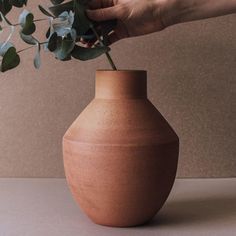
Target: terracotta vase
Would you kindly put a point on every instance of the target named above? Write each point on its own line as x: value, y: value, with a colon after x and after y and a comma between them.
x: 120, y: 154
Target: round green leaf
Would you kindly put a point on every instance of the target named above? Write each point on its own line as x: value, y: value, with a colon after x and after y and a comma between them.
x: 26, y: 21
x: 10, y: 60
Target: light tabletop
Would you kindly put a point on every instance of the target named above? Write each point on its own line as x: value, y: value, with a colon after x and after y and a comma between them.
x: 44, y: 207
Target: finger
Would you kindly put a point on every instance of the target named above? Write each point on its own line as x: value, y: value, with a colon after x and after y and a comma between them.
x: 95, y: 4
x: 103, y: 14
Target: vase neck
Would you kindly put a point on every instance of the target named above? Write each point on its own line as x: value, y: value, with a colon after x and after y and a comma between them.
x: 121, y: 84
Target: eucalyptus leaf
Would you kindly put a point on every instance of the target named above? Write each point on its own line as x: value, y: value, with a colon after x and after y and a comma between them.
x: 54, y: 40
x: 65, y: 46
x: 26, y: 21
x: 58, y: 9
x: 48, y: 33
x: 5, y: 8
x: 68, y: 58
x: 88, y: 36
x: 50, y: 29
x: 37, y: 58
x: 8, y: 23
x: 45, y: 12
x: 63, y: 24
x: 18, y: 3
x: 29, y: 39
x: 81, y: 22
x: 4, y: 19
x: 4, y: 47
x: 56, y: 2
x: 10, y: 60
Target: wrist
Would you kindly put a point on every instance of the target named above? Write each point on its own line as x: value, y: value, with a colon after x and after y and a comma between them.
x: 175, y: 11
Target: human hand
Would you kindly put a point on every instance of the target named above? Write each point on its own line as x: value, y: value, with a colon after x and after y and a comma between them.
x: 134, y: 17
x: 139, y: 17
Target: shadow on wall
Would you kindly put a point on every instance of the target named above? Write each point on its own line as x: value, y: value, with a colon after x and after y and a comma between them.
x: 199, y: 211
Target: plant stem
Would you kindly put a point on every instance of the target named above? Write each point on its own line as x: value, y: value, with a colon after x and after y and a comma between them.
x: 110, y: 61
x: 102, y: 44
x: 37, y: 20
x: 24, y: 49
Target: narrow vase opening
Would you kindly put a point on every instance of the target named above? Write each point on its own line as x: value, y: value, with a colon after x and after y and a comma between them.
x: 125, y: 84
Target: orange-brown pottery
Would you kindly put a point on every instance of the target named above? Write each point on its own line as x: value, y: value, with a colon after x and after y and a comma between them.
x: 120, y: 154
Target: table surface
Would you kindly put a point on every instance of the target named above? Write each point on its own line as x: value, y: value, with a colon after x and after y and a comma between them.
x: 44, y: 207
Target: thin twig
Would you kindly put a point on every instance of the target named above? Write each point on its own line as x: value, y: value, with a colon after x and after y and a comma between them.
x: 18, y: 24
x: 102, y: 44
x: 24, y: 49
x: 37, y: 20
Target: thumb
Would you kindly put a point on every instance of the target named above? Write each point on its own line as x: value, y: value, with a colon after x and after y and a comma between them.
x: 104, y: 14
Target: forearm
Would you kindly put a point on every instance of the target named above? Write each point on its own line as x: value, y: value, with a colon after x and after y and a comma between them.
x: 177, y: 11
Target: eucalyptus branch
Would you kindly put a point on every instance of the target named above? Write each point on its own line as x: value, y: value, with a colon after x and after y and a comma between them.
x: 72, y: 23
x: 102, y: 44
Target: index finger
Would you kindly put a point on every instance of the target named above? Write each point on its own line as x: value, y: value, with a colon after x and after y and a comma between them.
x: 96, y: 4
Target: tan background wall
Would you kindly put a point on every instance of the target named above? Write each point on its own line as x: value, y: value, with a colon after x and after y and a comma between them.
x: 192, y: 74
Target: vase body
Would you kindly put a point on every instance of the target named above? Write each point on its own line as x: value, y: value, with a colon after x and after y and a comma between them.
x: 120, y: 154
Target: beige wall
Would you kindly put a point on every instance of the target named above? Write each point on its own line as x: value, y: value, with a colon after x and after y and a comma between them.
x: 192, y: 74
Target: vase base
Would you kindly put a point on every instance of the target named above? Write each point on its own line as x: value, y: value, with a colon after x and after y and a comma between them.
x: 123, y: 224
